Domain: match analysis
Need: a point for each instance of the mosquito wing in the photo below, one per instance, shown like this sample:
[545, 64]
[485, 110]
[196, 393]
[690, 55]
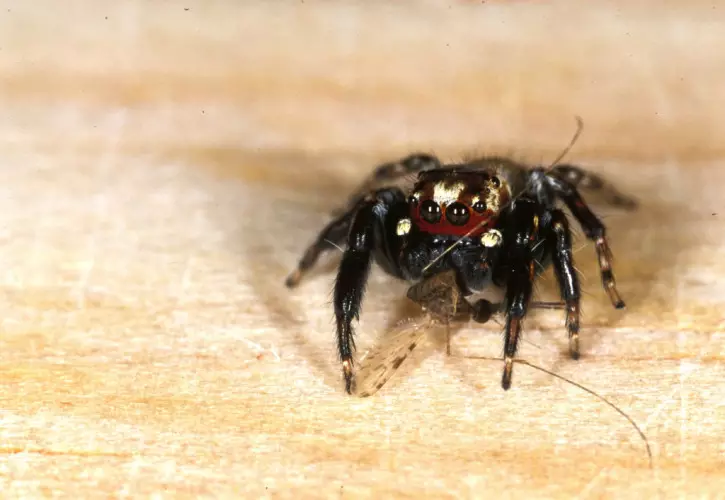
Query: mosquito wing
[381, 362]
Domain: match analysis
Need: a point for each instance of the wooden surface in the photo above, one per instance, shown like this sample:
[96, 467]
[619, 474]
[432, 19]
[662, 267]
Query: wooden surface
[163, 165]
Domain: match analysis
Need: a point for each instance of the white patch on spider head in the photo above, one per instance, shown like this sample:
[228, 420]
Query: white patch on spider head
[445, 193]
[403, 227]
[493, 198]
[491, 238]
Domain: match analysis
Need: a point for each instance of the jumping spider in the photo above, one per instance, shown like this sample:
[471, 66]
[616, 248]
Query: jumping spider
[490, 221]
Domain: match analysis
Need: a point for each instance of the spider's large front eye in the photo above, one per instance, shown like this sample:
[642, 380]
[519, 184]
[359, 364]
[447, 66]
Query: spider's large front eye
[457, 214]
[430, 211]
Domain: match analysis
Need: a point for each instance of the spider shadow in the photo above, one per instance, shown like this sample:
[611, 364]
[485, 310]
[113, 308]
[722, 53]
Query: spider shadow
[270, 240]
[647, 253]
[648, 250]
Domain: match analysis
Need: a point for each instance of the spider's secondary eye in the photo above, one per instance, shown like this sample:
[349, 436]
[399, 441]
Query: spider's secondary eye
[430, 211]
[479, 207]
[457, 214]
[412, 200]
[496, 182]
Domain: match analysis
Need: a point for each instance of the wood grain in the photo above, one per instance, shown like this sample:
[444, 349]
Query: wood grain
[163, 165]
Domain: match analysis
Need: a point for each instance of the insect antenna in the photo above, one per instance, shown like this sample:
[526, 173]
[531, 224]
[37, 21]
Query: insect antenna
[629, 419]
[575, 137]
[564, 152]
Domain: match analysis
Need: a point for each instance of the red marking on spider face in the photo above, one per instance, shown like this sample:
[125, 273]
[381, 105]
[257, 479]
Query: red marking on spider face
[477, 223]
[458, 203]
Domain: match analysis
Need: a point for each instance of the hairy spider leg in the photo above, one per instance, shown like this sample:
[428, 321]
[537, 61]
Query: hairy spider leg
[566, 275]
[582, 179]
[354, 270]
[594, 230]
[333, 234]
[330, 237]
[391, 171]
[520, 278]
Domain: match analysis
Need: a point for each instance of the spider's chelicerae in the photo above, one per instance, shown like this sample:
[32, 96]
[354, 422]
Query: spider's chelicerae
[489, 222]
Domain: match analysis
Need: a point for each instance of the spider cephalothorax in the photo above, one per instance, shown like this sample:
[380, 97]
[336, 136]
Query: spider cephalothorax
[488, 222]
[457, 202]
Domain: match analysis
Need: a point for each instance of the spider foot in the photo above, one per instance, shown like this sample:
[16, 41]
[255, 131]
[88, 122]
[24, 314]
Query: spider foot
[572, 326]
[293, 279]
[508, 368]
[574, 346]
[349, 375]
[605, 264]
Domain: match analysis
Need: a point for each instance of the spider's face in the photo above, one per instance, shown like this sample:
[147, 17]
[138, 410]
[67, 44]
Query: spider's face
[448, 202]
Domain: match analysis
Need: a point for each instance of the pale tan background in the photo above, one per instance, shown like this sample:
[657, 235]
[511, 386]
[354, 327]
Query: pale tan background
[163, 164]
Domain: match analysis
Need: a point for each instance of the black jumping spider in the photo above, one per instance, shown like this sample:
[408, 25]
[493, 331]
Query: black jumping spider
[492, 221]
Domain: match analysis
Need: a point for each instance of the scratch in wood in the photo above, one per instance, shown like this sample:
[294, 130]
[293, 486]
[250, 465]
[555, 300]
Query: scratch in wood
[259, 349]
[185, 280]
[683, 408]
[655, 413]
[83, 279]
[61, 453]
[686, 371]
[589, 487]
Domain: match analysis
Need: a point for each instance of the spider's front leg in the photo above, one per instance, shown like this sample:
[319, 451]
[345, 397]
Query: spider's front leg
[524, 226]
[355, 269]
[566, 275]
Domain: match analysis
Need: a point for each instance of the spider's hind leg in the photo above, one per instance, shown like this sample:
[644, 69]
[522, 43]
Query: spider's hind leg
[392, 171]
[594, 230]
[582, 179]
[333, 235]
